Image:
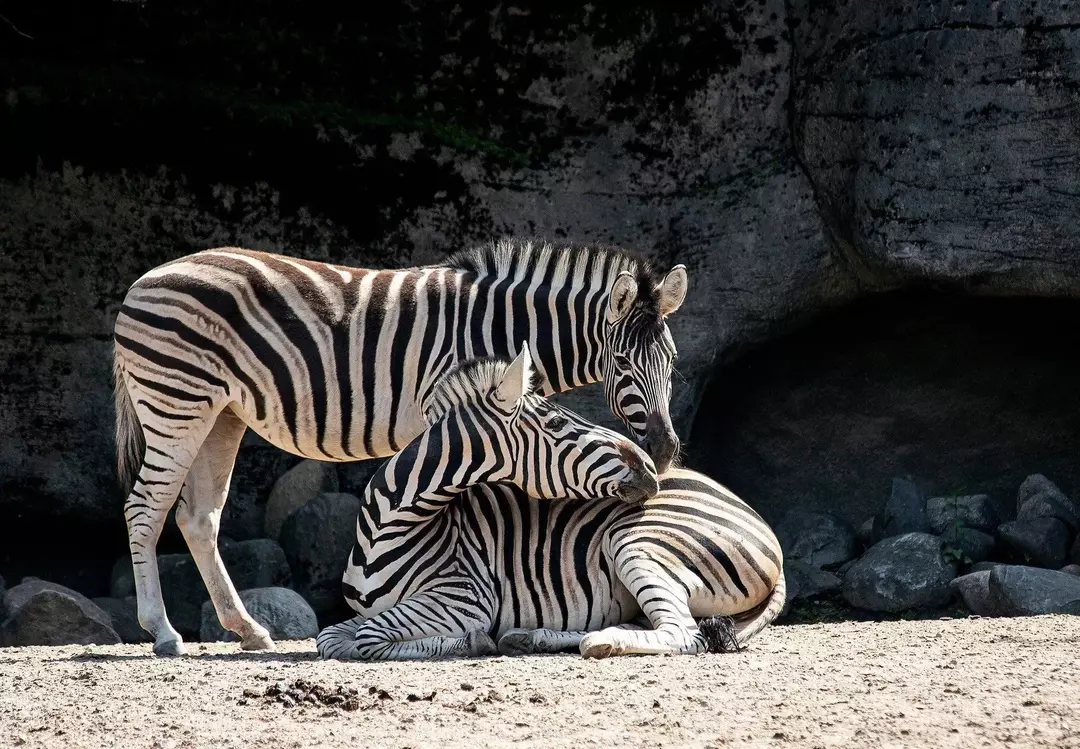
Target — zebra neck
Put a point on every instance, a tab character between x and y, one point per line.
417	483
562	319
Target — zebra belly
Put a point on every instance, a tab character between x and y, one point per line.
544	563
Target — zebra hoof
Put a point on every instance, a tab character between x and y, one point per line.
594	647
517	642
480	643
257	642
167	648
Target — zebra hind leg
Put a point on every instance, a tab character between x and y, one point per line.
199	516
418	628
663	600
532	641
157	485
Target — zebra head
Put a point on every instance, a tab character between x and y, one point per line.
639	356
512	434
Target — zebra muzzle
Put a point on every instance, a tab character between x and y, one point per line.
640	486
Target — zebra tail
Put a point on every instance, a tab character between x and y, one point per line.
752	622
130	442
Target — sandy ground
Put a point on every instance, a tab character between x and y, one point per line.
942	683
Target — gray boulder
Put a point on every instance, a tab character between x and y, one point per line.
905	510
257	563
1042	542
44	613
296	488
899	573
818	539
806	581
973	511
284	613
124	613
1026	591
318	539
1038	497
974	590
967	544
1071	569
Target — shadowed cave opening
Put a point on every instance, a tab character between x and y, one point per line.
962	394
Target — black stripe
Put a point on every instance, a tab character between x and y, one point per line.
174	393
406	304
373	320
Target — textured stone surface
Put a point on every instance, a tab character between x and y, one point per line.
1043	542
1039	497
1017	590
318	539
124	614
815	538
974	590
973	511
1071	569
806	581
900	573
967	545
905	510
44	613
284	613
297	486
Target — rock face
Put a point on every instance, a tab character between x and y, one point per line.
296	488
816	539
255	563
44	613
796	155
1041	541
1039	498
974	511
900	573
318	539
284	613
1024	591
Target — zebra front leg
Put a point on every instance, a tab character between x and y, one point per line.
199	516
423	627
530	641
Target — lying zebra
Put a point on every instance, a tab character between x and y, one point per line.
543	576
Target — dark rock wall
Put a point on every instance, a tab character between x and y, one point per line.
794	155
967	395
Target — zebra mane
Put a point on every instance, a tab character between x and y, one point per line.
469	382
544	257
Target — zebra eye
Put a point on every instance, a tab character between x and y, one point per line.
623	362
556	422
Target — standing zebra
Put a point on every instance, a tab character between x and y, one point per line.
452	548
331	363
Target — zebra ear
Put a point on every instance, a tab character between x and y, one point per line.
672	290
623	294
515	380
